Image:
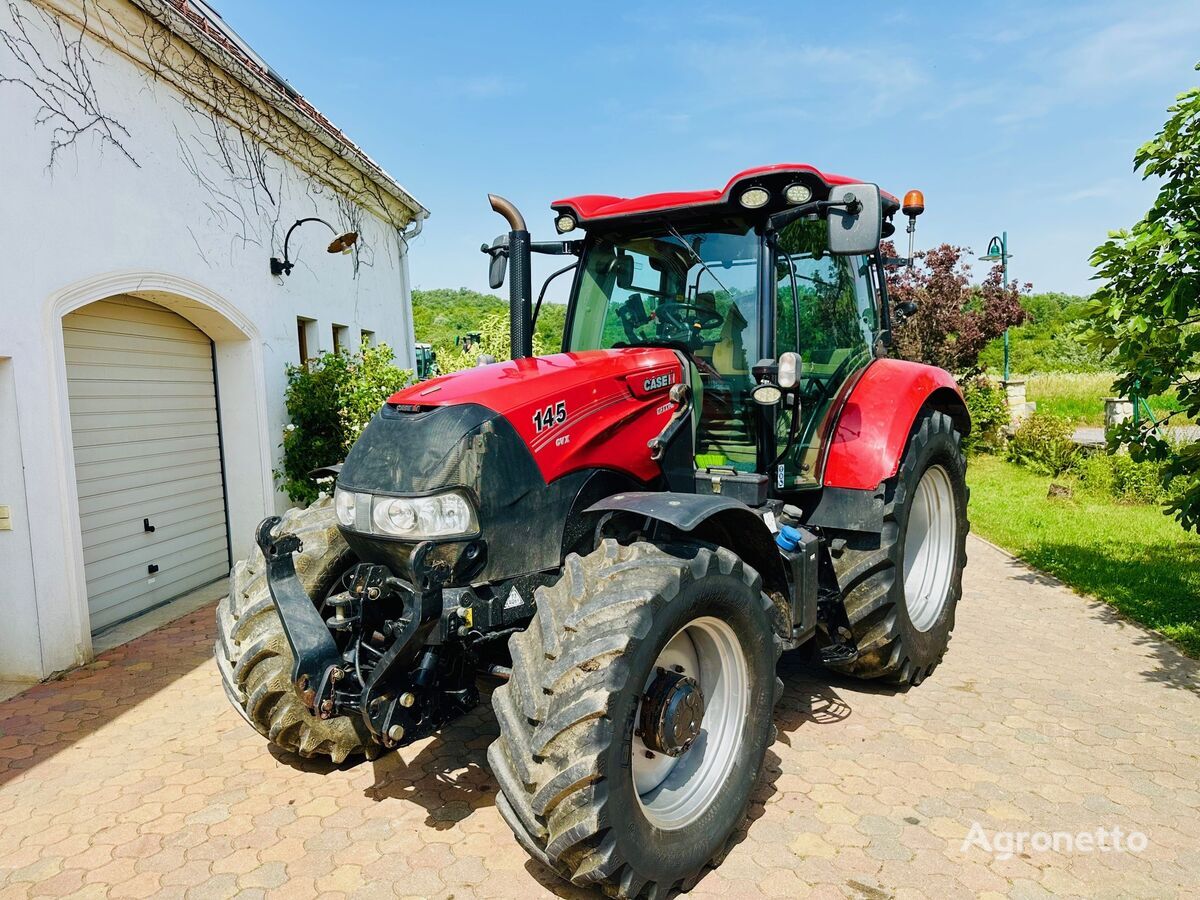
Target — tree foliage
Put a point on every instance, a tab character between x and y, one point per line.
955	319
442	314
1147	310
329	401
1049	340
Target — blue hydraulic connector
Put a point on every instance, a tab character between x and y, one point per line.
788	538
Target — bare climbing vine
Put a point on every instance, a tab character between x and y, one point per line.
237	150
60	81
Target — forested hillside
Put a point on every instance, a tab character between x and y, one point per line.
441	314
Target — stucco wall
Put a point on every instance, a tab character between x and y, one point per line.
164	197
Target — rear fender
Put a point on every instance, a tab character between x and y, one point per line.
875	423
717	520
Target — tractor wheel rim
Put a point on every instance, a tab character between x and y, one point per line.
675	791
929	548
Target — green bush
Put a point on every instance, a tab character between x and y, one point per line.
1123	478
989	414
329	400
1042	443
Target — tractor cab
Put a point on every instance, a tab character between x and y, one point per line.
748	283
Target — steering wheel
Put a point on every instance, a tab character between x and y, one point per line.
687	318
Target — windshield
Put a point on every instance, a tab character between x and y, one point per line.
698	290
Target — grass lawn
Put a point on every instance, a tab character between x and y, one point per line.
1080	396
1132	557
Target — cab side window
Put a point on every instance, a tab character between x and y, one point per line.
825	310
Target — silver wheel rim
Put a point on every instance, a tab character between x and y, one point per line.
675	791
929	548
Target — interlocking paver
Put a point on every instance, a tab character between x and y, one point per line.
132	777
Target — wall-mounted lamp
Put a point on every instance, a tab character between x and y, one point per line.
340	244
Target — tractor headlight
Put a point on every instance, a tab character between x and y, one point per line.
754	197
440	515
797	193
343	504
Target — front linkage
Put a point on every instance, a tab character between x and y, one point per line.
380	654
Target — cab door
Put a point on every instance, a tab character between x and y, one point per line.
825	309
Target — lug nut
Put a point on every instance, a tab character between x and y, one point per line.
407	699
396	733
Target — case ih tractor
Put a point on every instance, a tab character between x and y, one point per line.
721	465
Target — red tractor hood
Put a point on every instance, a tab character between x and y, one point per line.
568	407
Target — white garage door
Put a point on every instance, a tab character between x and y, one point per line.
147	455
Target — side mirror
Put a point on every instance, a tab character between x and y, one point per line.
623	265
906	309
499	254
856	227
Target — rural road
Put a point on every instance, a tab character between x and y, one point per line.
134	778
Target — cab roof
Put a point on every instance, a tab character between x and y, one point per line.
591	208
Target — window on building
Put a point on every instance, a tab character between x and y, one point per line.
341	338
306	338
368	337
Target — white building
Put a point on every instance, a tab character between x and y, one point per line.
150	167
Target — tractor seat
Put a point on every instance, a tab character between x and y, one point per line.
729	353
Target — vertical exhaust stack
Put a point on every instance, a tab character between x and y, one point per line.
520	285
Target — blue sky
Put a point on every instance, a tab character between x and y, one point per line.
1017	116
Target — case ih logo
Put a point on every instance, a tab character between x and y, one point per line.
658	382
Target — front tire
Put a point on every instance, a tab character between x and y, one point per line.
576	785
901	592
253	655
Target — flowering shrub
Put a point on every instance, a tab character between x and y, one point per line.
329	401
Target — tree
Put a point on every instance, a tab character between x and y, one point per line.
1147	310
954	320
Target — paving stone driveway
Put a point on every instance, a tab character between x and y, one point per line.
133	778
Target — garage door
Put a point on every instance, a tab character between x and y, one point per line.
147	455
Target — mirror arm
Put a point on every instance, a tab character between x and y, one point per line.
557	248
781	219
545	284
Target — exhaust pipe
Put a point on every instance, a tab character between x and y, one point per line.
520	285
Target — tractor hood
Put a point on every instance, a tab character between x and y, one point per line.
566	407
521	438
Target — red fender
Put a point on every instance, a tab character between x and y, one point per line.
875	422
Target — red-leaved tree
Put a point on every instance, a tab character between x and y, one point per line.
955	319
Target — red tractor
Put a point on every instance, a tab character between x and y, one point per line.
721	465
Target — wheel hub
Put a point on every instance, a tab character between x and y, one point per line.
672	711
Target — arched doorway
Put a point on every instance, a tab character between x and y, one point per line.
146	440
235	345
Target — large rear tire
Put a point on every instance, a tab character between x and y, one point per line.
901	595
253	655
579	787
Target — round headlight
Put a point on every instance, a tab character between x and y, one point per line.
396	516
766	394
343	505
754	198
564	224
798	193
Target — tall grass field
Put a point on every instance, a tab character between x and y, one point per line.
1079	396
